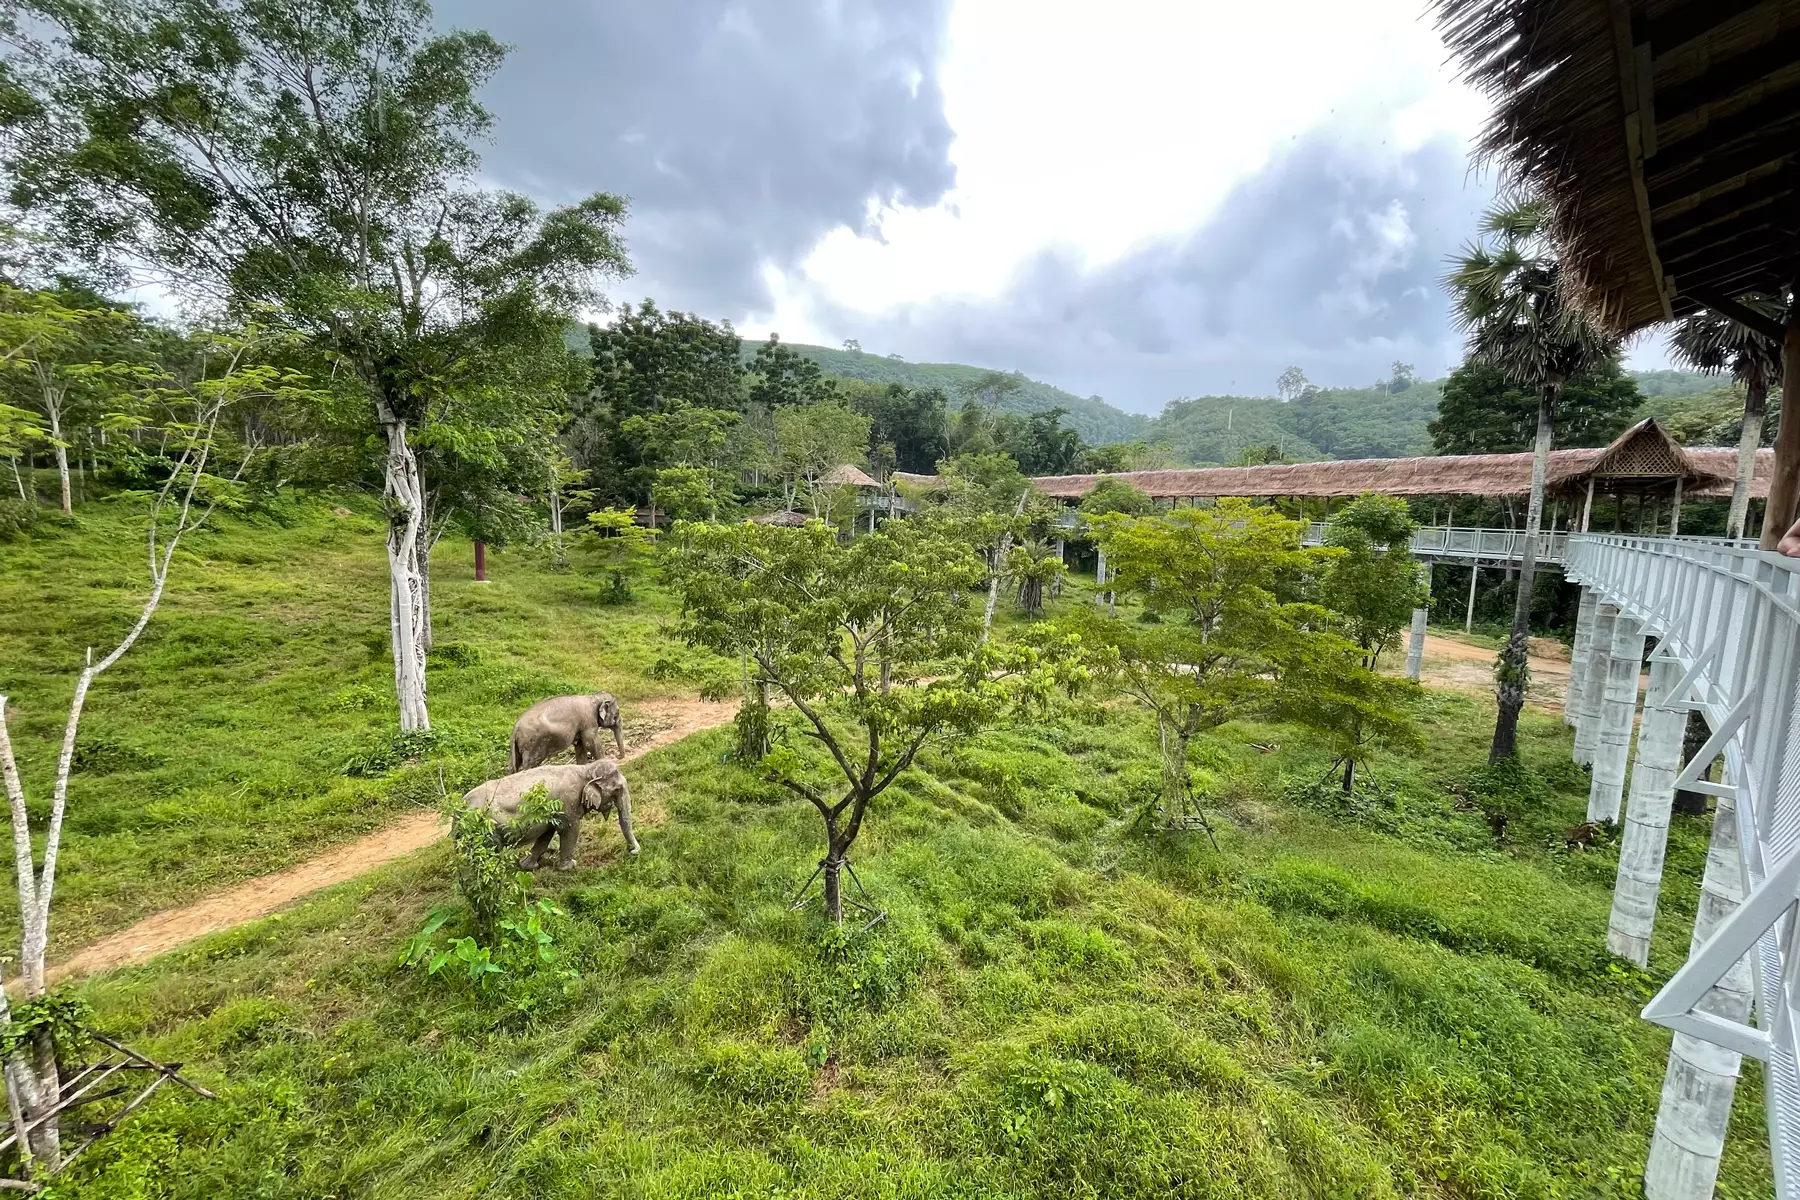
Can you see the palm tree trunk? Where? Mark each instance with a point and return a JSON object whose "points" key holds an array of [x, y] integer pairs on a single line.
{"points": [[1514, 668], [1756, 401]]}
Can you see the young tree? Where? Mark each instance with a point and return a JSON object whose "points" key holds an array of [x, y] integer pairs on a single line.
{"points": [[1509, 300], [623, 546], [811, 440], [313, 159], [1216, 651], [1372, 583], [191, 421], [1707, 341], [1032, 566], [54, 347], [875, 643]]}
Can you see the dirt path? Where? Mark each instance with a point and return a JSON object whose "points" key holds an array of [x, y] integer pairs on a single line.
{"points": [[1461, 666], [652, 725]]}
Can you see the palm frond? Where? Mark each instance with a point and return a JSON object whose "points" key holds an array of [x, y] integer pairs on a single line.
{"points": [[1707, 341]]}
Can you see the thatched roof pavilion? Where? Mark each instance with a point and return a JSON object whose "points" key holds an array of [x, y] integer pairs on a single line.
{"points": [[1665, 136], [1642, 460], [849, 475]]}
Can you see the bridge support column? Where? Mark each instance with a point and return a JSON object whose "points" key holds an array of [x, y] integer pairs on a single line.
{"points": [[1702, 1078], [1469, 616], [1580, 655], [1646, 837], [1100, 567], [1593, 684], [1415, 644], [1618, 705]]}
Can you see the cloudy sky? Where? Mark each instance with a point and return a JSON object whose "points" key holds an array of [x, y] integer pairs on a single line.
{"points": [[1139, 198]]}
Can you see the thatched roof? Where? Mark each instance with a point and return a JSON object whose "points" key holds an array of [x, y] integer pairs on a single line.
{"points": [[854, 476], [1663, 133], [915, 479], [787, 520], [1644, 457]]}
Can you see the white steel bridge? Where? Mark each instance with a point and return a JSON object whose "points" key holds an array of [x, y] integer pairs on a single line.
{"points": [[1725, 622]]}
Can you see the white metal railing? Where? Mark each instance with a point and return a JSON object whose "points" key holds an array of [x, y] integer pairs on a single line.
{"points": [[1468, 542], [1729, 616]]}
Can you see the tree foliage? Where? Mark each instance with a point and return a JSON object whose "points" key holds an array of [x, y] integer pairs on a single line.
{"points": [[875, 643], [1484, 410]]}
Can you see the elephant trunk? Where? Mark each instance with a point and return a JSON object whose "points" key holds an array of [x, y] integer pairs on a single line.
{"points": [[624, 805], [619, 736]]}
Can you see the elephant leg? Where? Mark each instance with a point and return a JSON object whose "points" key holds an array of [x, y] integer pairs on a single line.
{"points": [[568, 836], [538, 849]]}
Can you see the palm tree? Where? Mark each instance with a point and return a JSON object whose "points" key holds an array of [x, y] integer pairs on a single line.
{"points": [[1707, 341], [1510, 302]]}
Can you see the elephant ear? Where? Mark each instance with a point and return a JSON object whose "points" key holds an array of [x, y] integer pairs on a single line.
{"points": [[606, 709]]}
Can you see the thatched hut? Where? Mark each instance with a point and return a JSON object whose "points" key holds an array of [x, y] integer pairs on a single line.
{"points": [[1665, 136]]}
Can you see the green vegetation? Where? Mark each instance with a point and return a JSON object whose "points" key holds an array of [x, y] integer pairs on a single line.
{"points": [[253, 724]]}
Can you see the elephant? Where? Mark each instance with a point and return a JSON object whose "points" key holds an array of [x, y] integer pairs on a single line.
{"points": [[580, 787], [551, 726]]}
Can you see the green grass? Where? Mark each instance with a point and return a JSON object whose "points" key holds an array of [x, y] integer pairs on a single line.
{"points": [[1357, 998], [251, 724]]}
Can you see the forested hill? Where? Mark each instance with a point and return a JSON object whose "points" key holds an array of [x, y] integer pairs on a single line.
{"points": [[1368, 422], [1098, 422]]}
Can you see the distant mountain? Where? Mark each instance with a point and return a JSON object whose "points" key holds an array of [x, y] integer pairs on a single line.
{"points": [[1328, 423], [1094, 419]]}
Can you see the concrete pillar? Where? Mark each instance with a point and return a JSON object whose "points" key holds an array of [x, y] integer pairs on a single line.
{"points": [[1415, 645], [1702, 1078], [1675, 509], [1618, 705], [1469, 617], [1646, 835], [1100, 567], [1593, 684], [1580, 653], [1060, 556]]}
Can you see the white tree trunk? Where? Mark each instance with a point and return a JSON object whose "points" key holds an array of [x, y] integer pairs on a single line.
{"points": [[406, 584], [1647, 817], [61, 452], [1749, 438]]}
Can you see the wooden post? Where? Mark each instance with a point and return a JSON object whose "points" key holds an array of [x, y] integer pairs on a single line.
{"points": [[480, 561]]}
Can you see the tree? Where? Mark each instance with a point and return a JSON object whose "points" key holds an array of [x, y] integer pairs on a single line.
{"points": [[191, 419], [1707, 341], [875, 643], [1041, 446], [658, 379], [1400, 377], [1291, 384], [53, 343], [911, 420], [312, 159], [1031, 566], [1373, 585], [1116, 496], [1485, 411], [623, 545], [852, 346], [781, 376], [1210, 576], [1510, 302], [813, 439]]}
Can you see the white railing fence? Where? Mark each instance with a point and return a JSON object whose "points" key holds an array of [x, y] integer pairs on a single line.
{"points": [[1728, 618]]}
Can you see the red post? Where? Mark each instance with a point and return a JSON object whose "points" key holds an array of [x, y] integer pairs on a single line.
{"points": [[480, 561]]}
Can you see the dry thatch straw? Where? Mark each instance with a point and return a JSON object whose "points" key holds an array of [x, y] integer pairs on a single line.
{"points": [[1662, 133]]}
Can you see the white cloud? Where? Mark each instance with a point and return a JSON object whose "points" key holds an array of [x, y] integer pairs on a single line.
{"points": [[1096, 130]]}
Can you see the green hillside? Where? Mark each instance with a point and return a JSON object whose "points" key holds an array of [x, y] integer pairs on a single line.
{"points": [[1367, 999], [1094, 419], [1329, 423]]}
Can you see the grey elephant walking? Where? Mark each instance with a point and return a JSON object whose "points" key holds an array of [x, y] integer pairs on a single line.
{"points": [[551, 726], [580, 788]]}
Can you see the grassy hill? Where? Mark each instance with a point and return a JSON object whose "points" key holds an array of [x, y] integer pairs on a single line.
{"points": [[1367, 999], [1097, 421]]}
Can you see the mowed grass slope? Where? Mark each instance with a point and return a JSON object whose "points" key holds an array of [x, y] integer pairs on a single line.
{"points": [[1348, 999], [253, 724]]}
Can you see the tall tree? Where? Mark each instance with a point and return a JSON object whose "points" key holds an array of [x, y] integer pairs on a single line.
{"points": [[1707, 341], [1291, 384], [812, 440], [781, 375], [314, 159], [1485, 410], [1510, 302]]}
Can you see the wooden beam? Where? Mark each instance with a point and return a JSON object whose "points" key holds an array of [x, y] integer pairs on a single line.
{"points": [[1749, 250], [1763, 193], [1694, 19], [1632, 62], [1763, 118], [1730, 76], [1703, 174]]}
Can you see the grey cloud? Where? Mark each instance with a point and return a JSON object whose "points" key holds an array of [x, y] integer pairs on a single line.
{"points": [[742, 132], [1329, 258]]}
